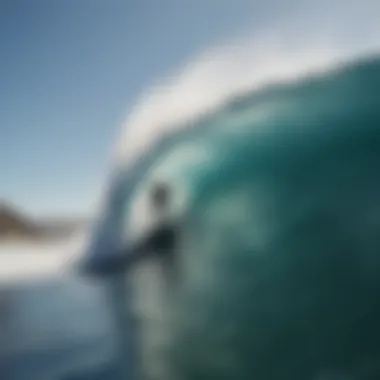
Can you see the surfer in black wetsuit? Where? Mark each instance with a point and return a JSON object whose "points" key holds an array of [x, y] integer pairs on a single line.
{"points": [[160, 242]]}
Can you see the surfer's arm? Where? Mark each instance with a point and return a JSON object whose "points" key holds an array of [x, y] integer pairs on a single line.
{"points": [[159, 239], [132, 254], [141, 250]]}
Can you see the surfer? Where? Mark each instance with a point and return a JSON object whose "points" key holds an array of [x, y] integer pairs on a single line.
{"points": [[160, 242]]}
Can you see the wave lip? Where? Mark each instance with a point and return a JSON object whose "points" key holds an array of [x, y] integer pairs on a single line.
{"points": [[242, 65]]}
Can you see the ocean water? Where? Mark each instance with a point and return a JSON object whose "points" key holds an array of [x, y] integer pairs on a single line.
{"points": [[277, 194], [54, 325]]}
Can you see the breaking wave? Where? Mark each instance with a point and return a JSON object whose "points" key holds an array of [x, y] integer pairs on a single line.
{"points": [[275, 185]]}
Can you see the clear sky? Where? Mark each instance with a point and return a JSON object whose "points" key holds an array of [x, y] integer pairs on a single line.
{"points": [[71, 70], [69, 73]]}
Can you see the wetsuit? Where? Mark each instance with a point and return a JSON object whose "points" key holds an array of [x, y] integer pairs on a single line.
{"points": [[160, 242]]}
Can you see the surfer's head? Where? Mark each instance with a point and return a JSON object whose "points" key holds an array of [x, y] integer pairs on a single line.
{"points": [[160, 196]]}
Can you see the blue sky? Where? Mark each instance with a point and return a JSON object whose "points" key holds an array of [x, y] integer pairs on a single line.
{"points": [[71, 71]]}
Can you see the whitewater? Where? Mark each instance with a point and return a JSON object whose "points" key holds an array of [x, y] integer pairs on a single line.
{"points": [[23, 261]]}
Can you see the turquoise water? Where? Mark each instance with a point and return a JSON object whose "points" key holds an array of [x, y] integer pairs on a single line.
{"points": [[284, 267], [278, 193]]}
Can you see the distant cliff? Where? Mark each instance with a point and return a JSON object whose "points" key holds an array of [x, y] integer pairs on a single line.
{"points": [[16, 225]]}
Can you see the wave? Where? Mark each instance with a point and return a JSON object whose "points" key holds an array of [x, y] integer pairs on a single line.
{"points": [[279, 188], [300, 42], [280, 192]]}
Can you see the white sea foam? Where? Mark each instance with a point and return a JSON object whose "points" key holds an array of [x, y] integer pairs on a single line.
{"points": [[21, 261], [311, 39]]}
